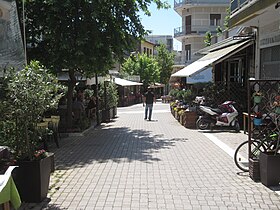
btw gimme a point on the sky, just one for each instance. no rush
(163, 22)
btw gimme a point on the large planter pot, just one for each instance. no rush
(176, 115)
(254, 169)
(190, 119)
(111, 113)
(269, 168)
(114, 112)
(105, 115)
(32, 179)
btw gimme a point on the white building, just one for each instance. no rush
(161, 39)
(264, 18)
(198, 17)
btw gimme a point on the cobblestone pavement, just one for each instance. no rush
(131, 163)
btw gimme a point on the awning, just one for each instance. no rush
(156, 85)
(212, 57)
(123, 82)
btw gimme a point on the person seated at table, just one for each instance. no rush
(78, 109)
(90, 109)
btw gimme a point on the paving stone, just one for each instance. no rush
(130, 163)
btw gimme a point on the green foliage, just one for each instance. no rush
(173, 92)
(129, 67)
(30, 92)
(180, 95)
(219, 30)
(165, 61)
(145, 66)
(88, 93)
(83, 35)
(188, 96)
(112, 96)
(207, 38)
(227, 17)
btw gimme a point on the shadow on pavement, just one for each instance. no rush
(107, 143)
(43, 205)
(218, 131)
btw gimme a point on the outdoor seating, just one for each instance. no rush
(55, 128)
(49, 127)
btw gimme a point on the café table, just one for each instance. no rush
(8, 190)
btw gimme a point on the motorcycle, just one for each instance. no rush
(224, 116)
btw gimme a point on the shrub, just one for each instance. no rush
(30, 92)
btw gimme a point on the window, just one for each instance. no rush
(270, 63)
(188, 52)
(215, 19)
(235, 74)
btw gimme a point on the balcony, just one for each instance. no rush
(237, 4)
(243, 11)
(194, 30)
(180, 3)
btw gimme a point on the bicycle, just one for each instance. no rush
(267, 143)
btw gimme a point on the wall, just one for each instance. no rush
(11, 46)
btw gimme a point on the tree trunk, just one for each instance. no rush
(71, 86)
(97, 100)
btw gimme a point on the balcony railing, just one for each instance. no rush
(179, 3)
(194, 30)
(237, 4)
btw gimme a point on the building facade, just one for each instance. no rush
(167, 40)
(11, 44)
(198, 18)
(264, 18)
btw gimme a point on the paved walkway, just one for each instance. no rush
(131, 163)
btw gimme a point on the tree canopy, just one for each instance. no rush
(83, 34)
(143, 65)
(165, 61)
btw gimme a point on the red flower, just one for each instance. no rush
(39, 154)
(258, 115)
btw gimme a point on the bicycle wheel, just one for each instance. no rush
(241, 156)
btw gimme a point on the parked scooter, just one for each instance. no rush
(224, 116)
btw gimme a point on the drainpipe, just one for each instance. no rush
(257, 51)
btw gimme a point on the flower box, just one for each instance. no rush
(190, 119)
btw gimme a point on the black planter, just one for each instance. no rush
(106, 115)
(114, 112)
(269, 169)
(32, 179)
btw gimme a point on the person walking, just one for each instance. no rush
(148, 100)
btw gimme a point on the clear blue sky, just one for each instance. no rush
(163, 22)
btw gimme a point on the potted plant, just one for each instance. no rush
(257, 120)
(113, 98)
(257, 96)
(109, 100)
(270, 159)
(28, 94)
(269, 168)
(181, 116)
